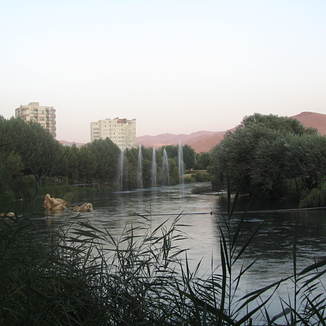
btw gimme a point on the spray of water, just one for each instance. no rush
(121, 165)
(140, 183)
(165, 168)
(154, 168)
(181, 167)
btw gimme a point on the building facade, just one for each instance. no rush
(44, 115)
(122, 132)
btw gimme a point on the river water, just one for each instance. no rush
(271, 247)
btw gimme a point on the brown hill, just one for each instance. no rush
(204, 141)
(313, 120)
(205, 144)
(173, 139)
(200, 141)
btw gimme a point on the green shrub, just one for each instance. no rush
(315, 198)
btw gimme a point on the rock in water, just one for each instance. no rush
(86, 207)
(54, 204)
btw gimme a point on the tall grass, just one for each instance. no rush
(87, 276)
(45, 285)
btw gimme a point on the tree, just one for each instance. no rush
(101, 160)
(189, 157)
(39, 151)
(202, 161)
(258, 156)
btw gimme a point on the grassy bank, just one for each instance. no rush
(85, 276)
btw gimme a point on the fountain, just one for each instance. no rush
(181, 167)
(154, 169)
(125, 172)
(140, 168)
(121, 165)
(165, 168)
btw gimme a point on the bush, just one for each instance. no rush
(315, 198)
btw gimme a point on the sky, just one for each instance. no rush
(176, 66)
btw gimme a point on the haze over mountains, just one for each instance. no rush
(204, 141)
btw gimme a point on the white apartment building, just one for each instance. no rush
(44, 115)
(122, 132)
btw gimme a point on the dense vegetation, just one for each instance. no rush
(272, 157)
(266, 157)
(30, 157)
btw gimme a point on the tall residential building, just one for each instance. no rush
(44, 115)
(122, 132)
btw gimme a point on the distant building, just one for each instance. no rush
(44, 115)
(122, 132)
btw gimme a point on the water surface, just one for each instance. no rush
(272, 247)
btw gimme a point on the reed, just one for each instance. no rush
(87, 276)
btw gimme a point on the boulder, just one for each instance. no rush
(54, 204)
(86, 207)
(9, 214)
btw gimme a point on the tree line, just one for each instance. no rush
(272, 157)
(266, 156)
(30, 157)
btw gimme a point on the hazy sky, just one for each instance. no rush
(174, 65)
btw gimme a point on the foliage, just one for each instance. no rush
(197, 176)
(267, 153)
(202, 161)
(315, 197)
(189, 155)
(31, 157)
(38, 150)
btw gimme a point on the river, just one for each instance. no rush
(271, 248)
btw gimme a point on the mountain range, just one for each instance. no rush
(204, 141)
